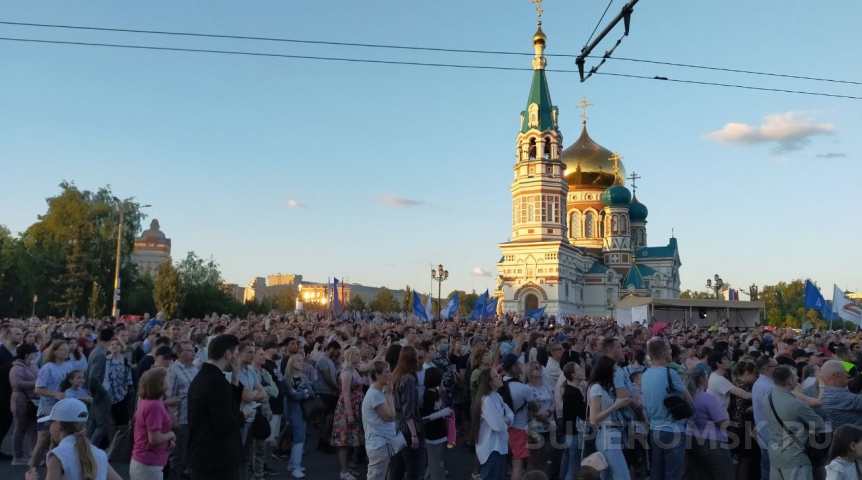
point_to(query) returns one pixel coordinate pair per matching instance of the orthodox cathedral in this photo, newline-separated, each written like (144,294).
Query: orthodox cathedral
(579,236)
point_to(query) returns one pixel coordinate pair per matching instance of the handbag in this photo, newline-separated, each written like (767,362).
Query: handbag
(596,460)
(260,429)
(815,455)
(311,407)
(120,450)
(676,403)
(396,443)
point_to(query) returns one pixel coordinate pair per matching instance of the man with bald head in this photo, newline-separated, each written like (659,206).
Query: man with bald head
(840,406)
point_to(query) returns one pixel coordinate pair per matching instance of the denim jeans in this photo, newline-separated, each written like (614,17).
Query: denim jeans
(494,468)
(764,463)
(571,461)
(610,442)
(668,454)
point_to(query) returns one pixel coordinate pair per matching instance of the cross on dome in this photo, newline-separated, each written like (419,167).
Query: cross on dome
(634,177)
(584,103)
(616,157)
(539,9)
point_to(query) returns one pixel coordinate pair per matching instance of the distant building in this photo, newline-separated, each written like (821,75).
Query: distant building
(151,249)
(256,289)
(283,279)
(235,291)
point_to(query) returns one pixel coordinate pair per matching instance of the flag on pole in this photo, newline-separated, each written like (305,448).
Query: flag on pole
(535,314)
(479,307)
(418,309)
(336,305)
(846,308)
(428,308)
(814,299)
(491,308)
(451,307)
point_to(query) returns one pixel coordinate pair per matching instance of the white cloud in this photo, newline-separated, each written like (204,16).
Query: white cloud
(398,202)
(295,204)
(787,132)
(480,272)
(831,155)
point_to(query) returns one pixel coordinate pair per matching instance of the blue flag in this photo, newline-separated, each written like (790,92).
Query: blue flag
(535,314)
(813,298)
(451,307)
(479,307)
(491,308)
(336,305)
(418,309)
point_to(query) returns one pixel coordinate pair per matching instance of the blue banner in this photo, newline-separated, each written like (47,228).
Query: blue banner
(813,298)
(479,307)
(418,309)
(535,314)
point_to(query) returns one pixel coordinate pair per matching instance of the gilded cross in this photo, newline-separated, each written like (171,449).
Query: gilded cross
(616,159)
(538,9)
(634,177)
(584,103)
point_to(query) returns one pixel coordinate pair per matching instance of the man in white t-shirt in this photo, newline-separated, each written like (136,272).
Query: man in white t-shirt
(719,386)
(523,402)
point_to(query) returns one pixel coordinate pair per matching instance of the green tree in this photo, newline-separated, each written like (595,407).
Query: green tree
(68,248)
(137,297)
(167,288)
(96,306)
(356,304)
(384,302)
(201,287)
(784,305)
(408,300)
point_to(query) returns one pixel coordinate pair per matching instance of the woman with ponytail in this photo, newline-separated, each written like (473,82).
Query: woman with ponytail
(74,458)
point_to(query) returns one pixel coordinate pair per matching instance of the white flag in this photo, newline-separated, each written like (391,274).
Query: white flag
(846,308)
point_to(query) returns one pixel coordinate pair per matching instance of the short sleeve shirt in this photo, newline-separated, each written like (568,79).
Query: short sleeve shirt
(377,430)
(719,387)
(151,415)
(655,385)
(521,394)
(50,377)
(596,390)
(324,363)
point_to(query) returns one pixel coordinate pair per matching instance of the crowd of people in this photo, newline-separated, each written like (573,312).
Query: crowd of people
(579,398)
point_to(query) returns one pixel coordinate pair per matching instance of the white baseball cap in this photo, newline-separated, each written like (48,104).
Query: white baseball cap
(67,410)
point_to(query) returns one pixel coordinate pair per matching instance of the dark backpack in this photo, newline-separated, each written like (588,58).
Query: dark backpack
(507,395)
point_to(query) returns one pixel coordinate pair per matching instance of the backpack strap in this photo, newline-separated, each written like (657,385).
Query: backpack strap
(792,435)
(507,382)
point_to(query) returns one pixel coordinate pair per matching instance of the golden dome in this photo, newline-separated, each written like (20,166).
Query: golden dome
(539,37)
(587,165)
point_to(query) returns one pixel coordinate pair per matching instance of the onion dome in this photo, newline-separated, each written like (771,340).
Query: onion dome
(588,165)
(637,210)
(617,196)
(539,37)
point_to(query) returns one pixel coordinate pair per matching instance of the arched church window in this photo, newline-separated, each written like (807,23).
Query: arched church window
(623,223)
(532,149)
(602,216)
(614,226)
(548,146)
(588,225)
(575,224)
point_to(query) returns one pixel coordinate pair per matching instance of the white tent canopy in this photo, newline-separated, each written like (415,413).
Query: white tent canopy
(737,314)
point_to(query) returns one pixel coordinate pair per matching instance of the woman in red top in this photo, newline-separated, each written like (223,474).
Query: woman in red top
(153,436)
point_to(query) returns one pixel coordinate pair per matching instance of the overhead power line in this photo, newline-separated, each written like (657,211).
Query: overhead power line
(406,63)
(426,49)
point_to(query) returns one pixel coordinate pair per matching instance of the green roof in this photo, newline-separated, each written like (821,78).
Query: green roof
(540,94)
(645,270)
(597,267)
(635,279)
(658,252)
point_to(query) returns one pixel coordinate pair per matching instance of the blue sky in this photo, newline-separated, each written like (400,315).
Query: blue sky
(377,172)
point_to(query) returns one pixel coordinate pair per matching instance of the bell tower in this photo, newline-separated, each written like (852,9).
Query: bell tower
(539,188)
(617,242)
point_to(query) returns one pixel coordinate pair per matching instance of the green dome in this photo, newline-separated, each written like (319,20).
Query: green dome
(617,196)
(637,210)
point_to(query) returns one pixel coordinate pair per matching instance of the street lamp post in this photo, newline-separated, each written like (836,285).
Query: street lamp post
(439,276)
(716,286)
(115,311)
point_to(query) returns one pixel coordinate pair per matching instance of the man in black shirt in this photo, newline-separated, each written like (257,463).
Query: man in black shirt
(276,404)
(215,420)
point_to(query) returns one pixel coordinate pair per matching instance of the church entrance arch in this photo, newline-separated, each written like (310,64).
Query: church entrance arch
(531,302)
